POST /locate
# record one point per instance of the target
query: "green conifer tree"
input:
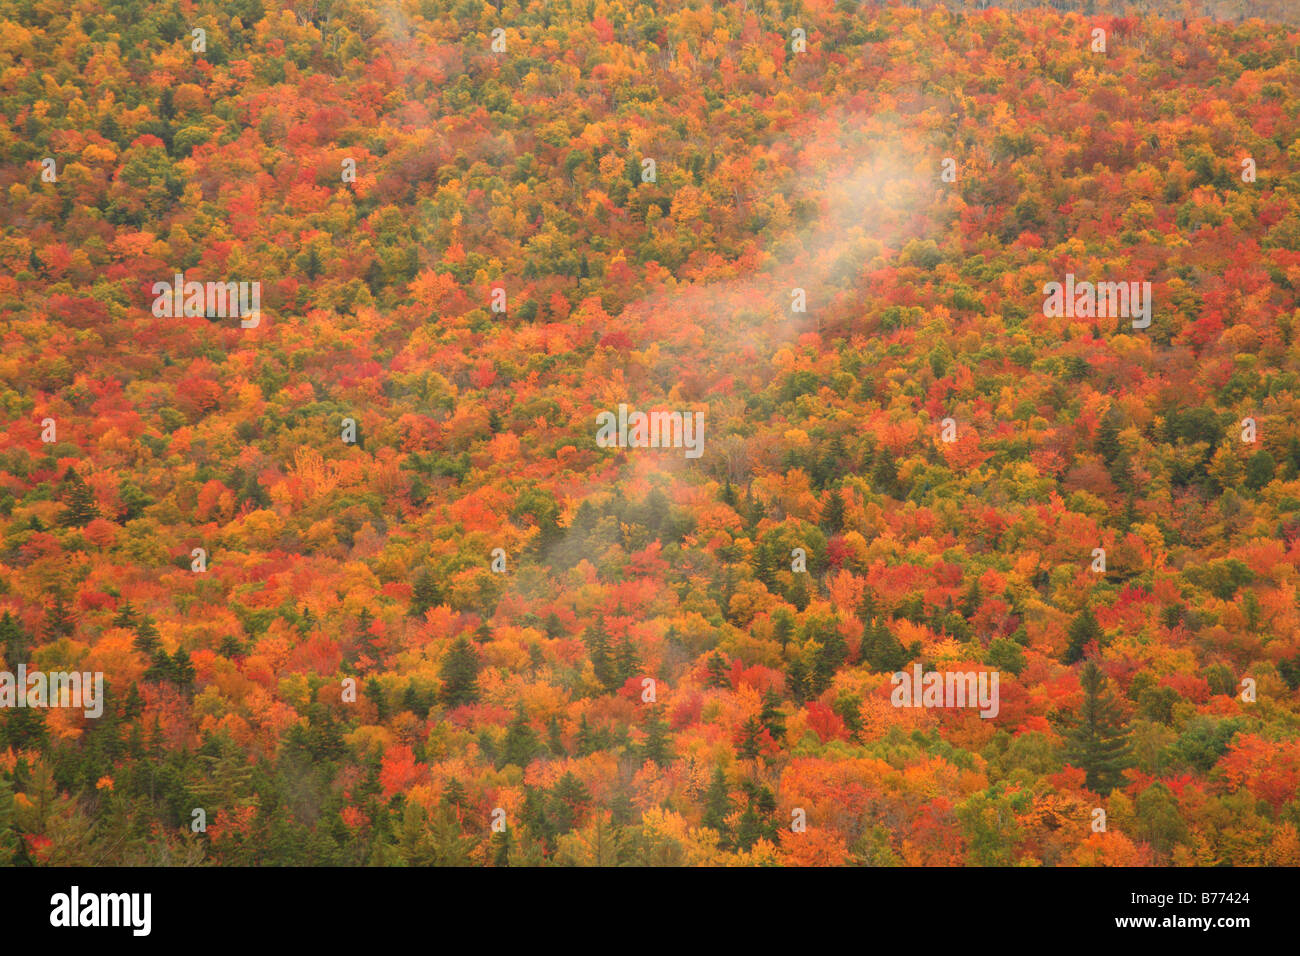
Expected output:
(459, 673)
(1084, 629)
(1098, 743)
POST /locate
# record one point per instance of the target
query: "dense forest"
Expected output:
(365, 589)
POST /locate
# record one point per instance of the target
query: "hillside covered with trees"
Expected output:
(365, 589)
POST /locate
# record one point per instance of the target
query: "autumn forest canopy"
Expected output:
(365, 588)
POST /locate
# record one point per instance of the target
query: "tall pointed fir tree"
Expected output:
(1098, 742)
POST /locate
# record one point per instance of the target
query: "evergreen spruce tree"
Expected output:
(798, 592)
(796, 678)
(587, 741)
(459, 673)
(1291, 463)
(502, 844)
(749, 747)
(453, 794)
(1084, 629)
(749, 828)
(554, 742)
(447, 838)
(822, 672)
(728, 493)
(146, 639)
(79, 503)
(884, 477)
(868, 608)
(627, 662)
(536, 818)
(833, 513)
(8, 834)
(716, 666)
(569, 799)
(771, 716)
(1108, 443)
(754, 512)
(882, 651)
(125, 616)
(717, 807)
(782, 626)
(521, 743)
(657, 747)
(181, 670)
(1098, 743)
(764, 564)
(597, 642)
(13, 640)
(58, 620)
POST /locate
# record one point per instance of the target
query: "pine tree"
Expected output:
(1084, 629)
(453, 794)
(728, 493)
(125, 616)
(448, 842)
(836, 649)
(798, 592)
(587, 741)
(833, 514)
(535, 817)
(253, 492)
(13, 640)
(764, 563)
(884, 477)
(597, 844)
(717, 807)
(882, 651)
(627, 662)
(8, 835)
(716, 666)
(133, 706)
(182, 671)
(597, 642)
(749, 829)
(58, 620)
(146, 637)
(521, 743)
(79, 503)
(868, 608)
(822, 672)
(1292, 460)
(782, 626)
(750, 747)
(554, 742)
(796, 678)
(657, 747)
(754, 512)
(459, 673)
(1108, 443)
(502, 845)
(771, 716)
(160, 666)
(1098, 743)
(568, 801)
